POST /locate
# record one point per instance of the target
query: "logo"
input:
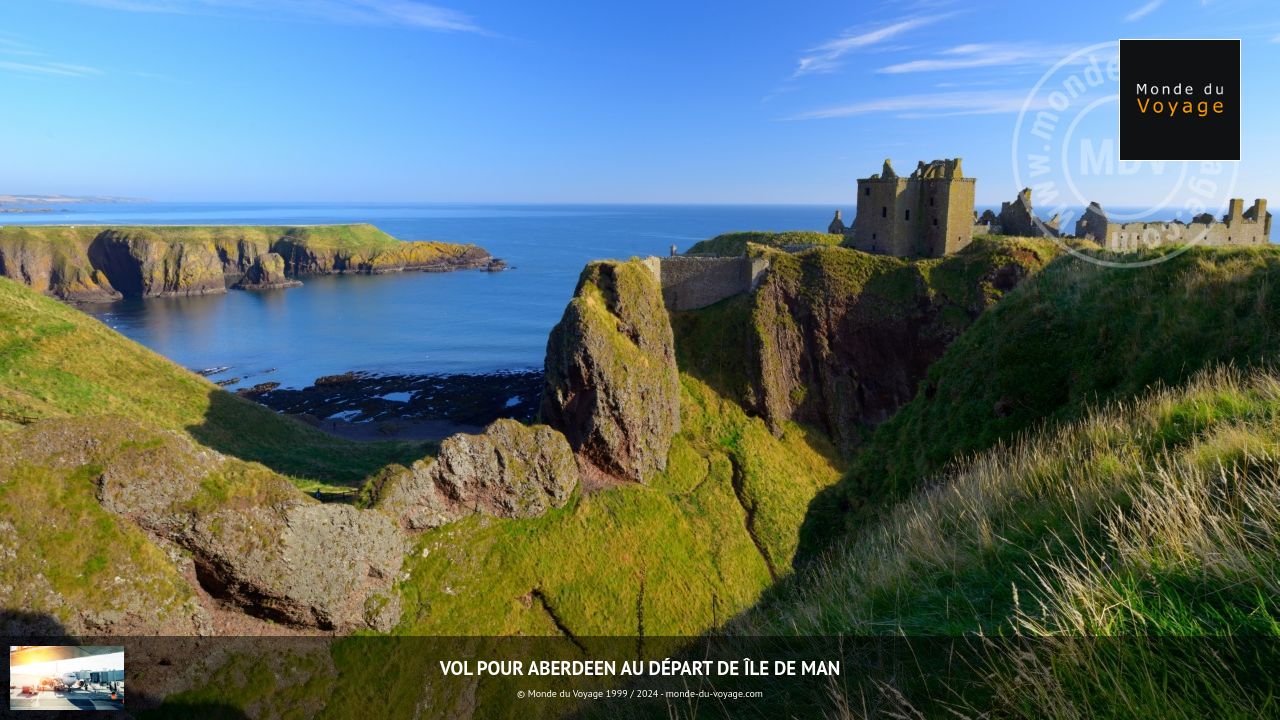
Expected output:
(1180, 99)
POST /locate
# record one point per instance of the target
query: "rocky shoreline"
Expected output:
(368, 406)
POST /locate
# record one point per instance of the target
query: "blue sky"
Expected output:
(563, 101)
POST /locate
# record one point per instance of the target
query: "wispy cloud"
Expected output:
(827, 56)
(34, 62)
(982, 55)
(926, 105)
(49, 68)
(399, 13)
(1145, 10)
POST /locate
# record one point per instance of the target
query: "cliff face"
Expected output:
(308, 258)
(141, 264)
(841, 339)
(612, 386)
(103, 263)
(844, 339)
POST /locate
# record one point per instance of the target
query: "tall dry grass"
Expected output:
(1129, 563)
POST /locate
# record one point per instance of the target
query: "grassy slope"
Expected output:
(682, 540)
(56, 362)
(735, 243)
(120, 398)
(1150, 517)
(78, 552)
(673, 557)
(1076, 335)
(1155, 516)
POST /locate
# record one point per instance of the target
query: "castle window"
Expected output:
(884, 211)
(873, 237)
(907, 216)
(867, 191)
(931, 204)
(935, 222)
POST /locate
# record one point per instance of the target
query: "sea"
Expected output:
(412, 322)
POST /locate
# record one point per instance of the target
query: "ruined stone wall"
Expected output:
(1132, 236)
(1238, 227)
(689, 283)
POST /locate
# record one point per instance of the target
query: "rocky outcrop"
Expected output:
(89, 264)
(266, 273)
(324, 566)
(253, 539)
(612, 386)
(511, 471)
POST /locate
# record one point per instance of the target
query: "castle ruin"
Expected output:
(928, 214)
(1237, 227)
(931, 214)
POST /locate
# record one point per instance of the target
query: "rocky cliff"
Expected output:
(840, 339)
(612, 386)
(266, 273)
(86, 263)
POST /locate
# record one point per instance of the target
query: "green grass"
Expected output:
(1074, 336)
(58, 362)
(357, 237)
(1154, 517)
(674, 556)
(735, 243)
(60, 545)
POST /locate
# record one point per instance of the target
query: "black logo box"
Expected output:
(1184, 64)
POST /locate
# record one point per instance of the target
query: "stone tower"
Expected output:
(928, 214)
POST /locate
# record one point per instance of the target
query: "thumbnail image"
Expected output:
(66, 677)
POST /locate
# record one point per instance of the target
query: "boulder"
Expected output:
(511, 470)
(303, 563)
(612, 386)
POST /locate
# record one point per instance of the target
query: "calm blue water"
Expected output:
(468, 321)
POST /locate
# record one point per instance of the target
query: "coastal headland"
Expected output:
(90, 263)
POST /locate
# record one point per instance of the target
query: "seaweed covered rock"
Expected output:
(511, 470)
(612, 386)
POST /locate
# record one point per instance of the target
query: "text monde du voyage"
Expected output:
(1180, 99)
